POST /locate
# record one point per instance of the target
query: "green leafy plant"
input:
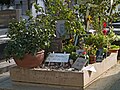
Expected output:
(28, 36)
(74, 56)
(114, 47)
(105, 50)
(70, 48)
(99, 10)
(90, 49)
(101, 40)
(60, 10)
(111, 36)
(95, 41)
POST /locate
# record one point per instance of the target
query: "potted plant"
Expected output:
(70, 48)
(114, 48)
(28, 40)
(91, 51)
(95, 44)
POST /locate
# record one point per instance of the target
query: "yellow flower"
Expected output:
(89, 18)
(71, 40)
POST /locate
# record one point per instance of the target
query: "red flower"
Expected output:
(104, 32)
(104, 25)
(84, 53)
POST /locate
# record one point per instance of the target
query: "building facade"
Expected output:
(24, 5)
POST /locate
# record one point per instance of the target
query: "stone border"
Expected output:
(63, 78)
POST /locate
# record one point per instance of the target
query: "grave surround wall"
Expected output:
(63, 78)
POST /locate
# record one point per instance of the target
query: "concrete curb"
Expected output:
(5, 66)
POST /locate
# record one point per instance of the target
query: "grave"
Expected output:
(62, 78)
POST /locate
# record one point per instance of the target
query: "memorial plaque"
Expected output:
(56, 45)
(57, 57)
(79, 63)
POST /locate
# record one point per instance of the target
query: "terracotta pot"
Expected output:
(113, 51)
(30, 61)
(92, 59)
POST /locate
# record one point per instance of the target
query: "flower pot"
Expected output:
(113, 50)
(30, 61)
(92, 59)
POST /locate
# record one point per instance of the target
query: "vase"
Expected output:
(30, 61)
(92, 59)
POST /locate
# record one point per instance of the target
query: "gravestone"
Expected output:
(57, 57)
(79, 63)
(60, 28)
(56, 45)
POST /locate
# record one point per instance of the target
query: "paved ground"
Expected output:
(108, 81)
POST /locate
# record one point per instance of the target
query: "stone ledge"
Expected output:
(5, 66)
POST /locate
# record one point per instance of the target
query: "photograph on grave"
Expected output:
(60, 28)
